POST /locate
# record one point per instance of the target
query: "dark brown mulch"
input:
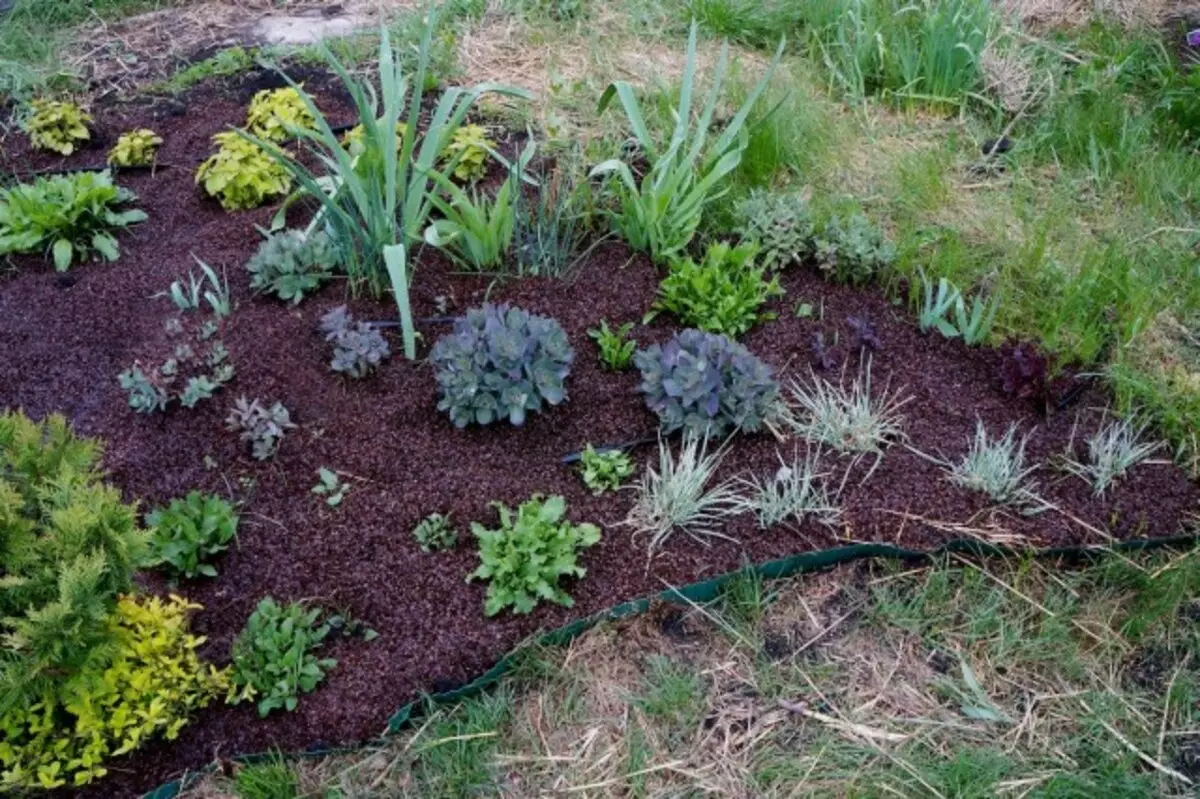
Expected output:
(65, 342)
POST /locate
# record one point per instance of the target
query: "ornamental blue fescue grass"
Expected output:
(1115, 449)
(661, 214)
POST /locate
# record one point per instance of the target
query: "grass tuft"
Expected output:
(848, 419)
(996, 467)
(1113, 450)
(797, 491)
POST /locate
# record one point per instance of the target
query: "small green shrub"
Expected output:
(189, 532)
(467, 152)
(436, 532)
(270, 779)
(855, 253)
(241, 174)
(197, 368)
(273, 656)
(292, 264)
(532, 550)
(276, 114)
(501, 362)
(706, 384)
(358, 348)
(780, 224)
(475, 231)
(616, 350)
(604, 471)
(330, 486)
(135, 148)
(263, 427)
(69, 216)
(57, 126)
(721, 294)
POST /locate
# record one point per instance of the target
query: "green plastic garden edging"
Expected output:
(695, 593)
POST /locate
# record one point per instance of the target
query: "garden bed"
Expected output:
(66, 337)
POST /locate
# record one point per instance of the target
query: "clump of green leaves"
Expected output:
(187, 297)
(721, 294)
(1112, 451)
(660, 214)
(934, 313)
(476, 231)
(69, 216)
(532, 550)
(854, 252)
(604, 470)
(263, 427)
(57, 126)
(780, 224)
(467, 152)
(276, 114)
(358, 348)
(616, 349)
(292, 264)
(189, 532)
(274, 658)
(135, 148)
(241, 174)
(196, 369)
(501, 362)
(435, 533)
(706, 385)
(330, 486)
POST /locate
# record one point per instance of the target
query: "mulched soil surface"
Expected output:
(65, 338)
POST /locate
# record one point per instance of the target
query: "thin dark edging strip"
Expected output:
(699, 592)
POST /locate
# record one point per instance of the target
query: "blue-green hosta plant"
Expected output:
(274, 657)
(501, 362)
(68, 216)
(706, 385)
(186, 534)
(378, 193)
(721, 294)
(660, 214)
(532, 550)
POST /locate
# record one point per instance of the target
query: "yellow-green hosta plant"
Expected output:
(276, 114)
(135, 148)
(151, 685)
(660, 214)
(466, 154)
(68, 216)
(57, 126)
(241, 174)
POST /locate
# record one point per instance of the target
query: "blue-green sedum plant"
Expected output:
(706, 385)
(500, 363)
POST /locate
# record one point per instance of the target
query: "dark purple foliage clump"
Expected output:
(865, 336)
(823, 357)
(1024, 371)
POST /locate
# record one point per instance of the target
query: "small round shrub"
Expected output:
(291, 264)
(501, 362)
(241, 174)
(706, 384)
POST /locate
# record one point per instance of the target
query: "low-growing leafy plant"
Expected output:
(330, 486)
(467, 152)
(475, 231)
(57, 126)
(821, 352)
(865, 335)
(797, 491)
(196, 369)
(241, 174)
(135, 148)
(975, 325)
(1024, 371)
(996, 467)
(706, 385)
(358, 348)
(263, 427)
(274, 659)
(780, 224)
(616, 350)
(435, 533)
(292, 264)
(150, 683)
(276, 114)
(1111, 452)
(532, 550)
(604, 470)
(501, 362)
(847, 419)
(189, 532)
(660, 214)
(187, 297)
(67, 216)
(721, 294)
(854, 253)
(677, 496)
(547, 231)
(935, 308)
